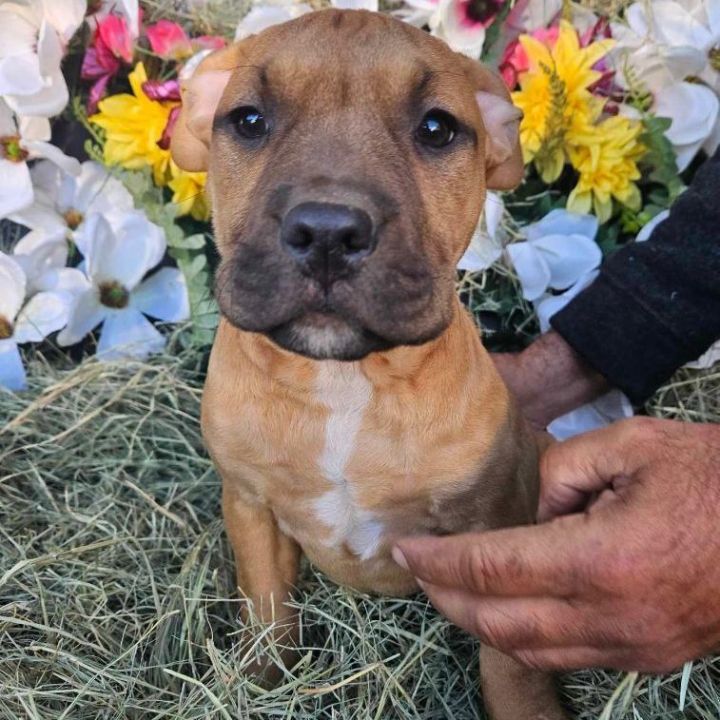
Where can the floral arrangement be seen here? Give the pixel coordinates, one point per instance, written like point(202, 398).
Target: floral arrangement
point(620, 106)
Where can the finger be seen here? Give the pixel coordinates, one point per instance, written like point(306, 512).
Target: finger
point(510, 624)
point(551, 559)
point(576, 658)
point(570, 472)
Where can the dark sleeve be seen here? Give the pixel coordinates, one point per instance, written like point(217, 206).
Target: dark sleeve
point(655, 305)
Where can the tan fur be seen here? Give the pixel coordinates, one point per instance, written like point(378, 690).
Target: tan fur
point(426, 438)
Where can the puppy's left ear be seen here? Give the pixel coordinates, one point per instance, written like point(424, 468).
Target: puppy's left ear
point(504, 167)
point(201, 93)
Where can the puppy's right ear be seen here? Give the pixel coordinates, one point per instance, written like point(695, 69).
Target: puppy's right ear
point(201, 95)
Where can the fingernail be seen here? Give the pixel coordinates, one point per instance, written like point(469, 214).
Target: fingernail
point(399, 558)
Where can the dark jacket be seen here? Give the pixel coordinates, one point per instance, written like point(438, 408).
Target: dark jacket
point(655, 305)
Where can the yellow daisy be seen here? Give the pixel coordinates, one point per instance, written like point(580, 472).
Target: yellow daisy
point(606, 157)
point(555, 99)
point(134, 126)
point(189, 193)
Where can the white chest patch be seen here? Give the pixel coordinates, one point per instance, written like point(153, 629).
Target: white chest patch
point(346, 392)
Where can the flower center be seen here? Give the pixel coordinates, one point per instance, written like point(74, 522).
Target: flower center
point(481, 11)
point(714, 57)
point(6, 328)
point(114, 295)
point(93, 6)
point(73, 218)
point(11, 150)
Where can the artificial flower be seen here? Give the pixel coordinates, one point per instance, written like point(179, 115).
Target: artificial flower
point(22, 321)
point(33, 35)
point(486, 243)
point(189, 195)
point(460, 23)
point(559, 250)
point(515, 60)
point(555, 97)
point(115, 294)
point(134, 126)
point(600, 413)
point(371, 5)
point(63, 202)
point(263, 15)
point(21, 141)
point(112, 46)
point(97, 10)
point(606, 156)
point(170, 41)
point(661, 44)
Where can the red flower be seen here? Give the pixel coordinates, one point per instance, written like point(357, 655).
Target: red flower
point(111, 47)
point(170, 41)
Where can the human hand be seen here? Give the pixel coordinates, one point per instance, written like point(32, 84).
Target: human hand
point(548, 379)
point(630, 583)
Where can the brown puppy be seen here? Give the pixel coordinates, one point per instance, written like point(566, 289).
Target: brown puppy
point(349, 400)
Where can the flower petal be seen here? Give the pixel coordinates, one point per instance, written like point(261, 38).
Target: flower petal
point(86, 313)
point(709, 358)
point(49, 151)
point(13, 284)
point(12, 372)
point(128, 333)
point(546, 307)
point(568, 257)
point(163, 296)
point(531, 268)
point(599, 414)
point(16, 191)
point(45, 313)
point(693, 110)
point(647, 229)
point(562, 222)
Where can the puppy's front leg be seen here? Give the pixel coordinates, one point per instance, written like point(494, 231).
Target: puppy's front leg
point(267, 563)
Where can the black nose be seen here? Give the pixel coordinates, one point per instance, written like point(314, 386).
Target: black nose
point(327, 240)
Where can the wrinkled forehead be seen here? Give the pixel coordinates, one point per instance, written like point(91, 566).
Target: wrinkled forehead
point(339, 59)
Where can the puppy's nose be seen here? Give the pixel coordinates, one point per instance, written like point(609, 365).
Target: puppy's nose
point(326, 239)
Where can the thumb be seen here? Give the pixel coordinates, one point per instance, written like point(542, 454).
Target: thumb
point(570, 472)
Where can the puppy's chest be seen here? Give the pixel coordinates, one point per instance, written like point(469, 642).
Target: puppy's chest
point(366, 479)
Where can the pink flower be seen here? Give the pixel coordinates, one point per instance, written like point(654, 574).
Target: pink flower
point(515, 60)
point(112, 46)
point(170, 41)
point(478, 12)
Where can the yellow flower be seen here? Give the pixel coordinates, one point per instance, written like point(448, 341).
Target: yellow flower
point(555, 99)
point(189, 193)
point(134, 125)
point(606, 157)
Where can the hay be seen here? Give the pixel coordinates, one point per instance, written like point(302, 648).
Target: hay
point(116, 588)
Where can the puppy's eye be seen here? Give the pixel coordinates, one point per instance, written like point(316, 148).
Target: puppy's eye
point(437, 129)
point(250, 122)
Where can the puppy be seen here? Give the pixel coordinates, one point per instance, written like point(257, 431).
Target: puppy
point(349, 400)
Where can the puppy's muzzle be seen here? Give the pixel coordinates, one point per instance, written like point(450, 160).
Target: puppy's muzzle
point(328, 241)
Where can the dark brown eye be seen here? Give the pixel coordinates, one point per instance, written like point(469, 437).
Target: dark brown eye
point(437, 129)
point(250, 122)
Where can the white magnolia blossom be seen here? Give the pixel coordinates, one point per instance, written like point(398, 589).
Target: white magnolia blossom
point(63, 201)
point(21, 321)
point(486, 245)
point(266, 13)
point(33, 38)
point(661, 45)
point(559, 250)
point(22, 140)
point(128, 8)
point(115, 294)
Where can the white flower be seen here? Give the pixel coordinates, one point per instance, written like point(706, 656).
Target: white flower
point(129, 8)
point(33, 35)
point(560, 249)
point(607, 409)
point(20, 141)
point(486, 244)
point(265, 14)
point(63, 201)
point(449, 21)
point(660, 45)
point(22, 322)
point(115, 293)
point(371, 5)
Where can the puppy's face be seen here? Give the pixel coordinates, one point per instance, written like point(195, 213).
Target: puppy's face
point(348, 158)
